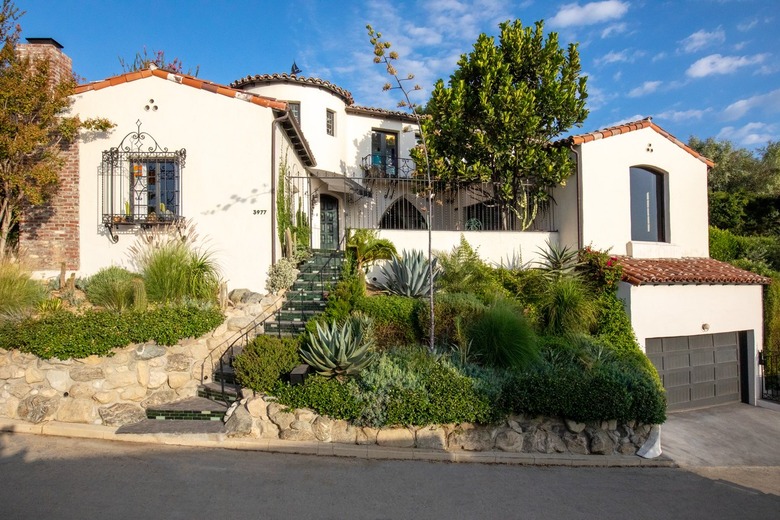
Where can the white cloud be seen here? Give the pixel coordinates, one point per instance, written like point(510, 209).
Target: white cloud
point(751, 134)
point(747, 24)
point(679, 116)
point(702, 39)
point(648, 87)
point(591, 13)
point(658, 57)
point(718, 64)
point(615, 29)
point(624, 56)
point(424, 35)
point(769, 102)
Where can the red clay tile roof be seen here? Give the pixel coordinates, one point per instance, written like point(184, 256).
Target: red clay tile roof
point(344, 94)
point(183, 79)
point(683, 271)
point(630, 127)
point(390, 114)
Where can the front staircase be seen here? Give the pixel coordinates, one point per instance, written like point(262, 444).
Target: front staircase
point(206, 412)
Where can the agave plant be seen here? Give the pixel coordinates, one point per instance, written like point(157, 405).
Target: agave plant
point(409, 275)
point(340, 350)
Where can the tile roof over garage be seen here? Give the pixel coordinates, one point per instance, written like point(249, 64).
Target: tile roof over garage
point(630, 127)
point(685, 271)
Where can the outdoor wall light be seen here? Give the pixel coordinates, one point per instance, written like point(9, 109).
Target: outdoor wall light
point(705, 327)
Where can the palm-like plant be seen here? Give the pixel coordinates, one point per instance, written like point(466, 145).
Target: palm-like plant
point(558, 262)
point(367, 248)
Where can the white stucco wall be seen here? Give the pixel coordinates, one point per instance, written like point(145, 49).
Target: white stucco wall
point(492, 246)
point(328, 150)
point(225, 183)
point(605, 189)
point(358, 138)
point(659, 311)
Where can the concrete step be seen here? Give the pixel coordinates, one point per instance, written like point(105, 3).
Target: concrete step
point(214, 391)
point(190, 408)
point(152, 426)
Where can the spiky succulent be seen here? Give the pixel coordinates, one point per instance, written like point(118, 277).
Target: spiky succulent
point(408, 275)
point(339, 350)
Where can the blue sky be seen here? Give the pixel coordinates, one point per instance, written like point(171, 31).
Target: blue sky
point(709, 68)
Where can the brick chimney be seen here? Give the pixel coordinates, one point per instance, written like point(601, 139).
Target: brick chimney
point(49, 234)
point(50, 49)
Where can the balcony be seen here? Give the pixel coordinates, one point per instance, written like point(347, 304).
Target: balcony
point(387, 166)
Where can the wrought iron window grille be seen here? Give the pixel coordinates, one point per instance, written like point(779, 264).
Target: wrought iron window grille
point(140, 183)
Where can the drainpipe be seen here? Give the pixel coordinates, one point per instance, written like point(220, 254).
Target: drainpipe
point(276, 121)
point(579, 196)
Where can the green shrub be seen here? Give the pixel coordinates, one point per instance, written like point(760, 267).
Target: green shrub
point(567, 307)
point(19, 294)
point(366, 248)
point(725, 245)
point(453, 314)
point(65, 335)
point(326, 396)
point(605, 393)
point(613, 324)
point(462, 270)
point(395, 319)
point(340, 349)
point(409, 275)
point(502, 337)
point(111, 288)
point(584, 379)
point(265, 360)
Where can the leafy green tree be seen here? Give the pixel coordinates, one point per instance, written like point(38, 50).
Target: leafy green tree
point(367, 248)
point(503, 106)
point(33, 129)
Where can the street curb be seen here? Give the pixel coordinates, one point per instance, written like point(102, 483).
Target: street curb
point(327, 449)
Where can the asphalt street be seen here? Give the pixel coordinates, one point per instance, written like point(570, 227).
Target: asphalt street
point(62, 478)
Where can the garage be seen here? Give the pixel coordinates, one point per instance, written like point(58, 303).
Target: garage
point(701, 370)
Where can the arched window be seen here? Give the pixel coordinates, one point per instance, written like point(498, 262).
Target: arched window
point(648, 205)
point(402, 215)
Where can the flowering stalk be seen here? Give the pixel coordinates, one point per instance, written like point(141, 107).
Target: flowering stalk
point(383, 55)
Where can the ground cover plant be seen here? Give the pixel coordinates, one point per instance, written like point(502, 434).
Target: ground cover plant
point(19, 294)
point(65, 335)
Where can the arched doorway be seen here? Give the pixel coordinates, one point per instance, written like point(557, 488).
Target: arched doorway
point(329, 222)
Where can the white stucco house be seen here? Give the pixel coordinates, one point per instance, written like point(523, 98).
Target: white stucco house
point(188, 148)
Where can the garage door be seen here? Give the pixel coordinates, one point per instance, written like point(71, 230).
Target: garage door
point(698, 371)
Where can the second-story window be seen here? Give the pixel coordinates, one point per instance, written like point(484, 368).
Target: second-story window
point(330, 122)
point(295, 108)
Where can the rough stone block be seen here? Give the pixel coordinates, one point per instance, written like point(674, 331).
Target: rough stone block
point(121, 413)
point(157, 378)
point(574, 426)
point(395, 437)
point(106, 396)
point(257, 407)
point(179, 363)
point(321, 428)
point(81, 391)
point(178, 379)
point(142, 373)
point(431, 438)
point(149, 351)
point(59, 380)
point(601, 443)
point(133, 393)
point(509, 440)
point(19, 390)
point(87, 373)
point(280, 415)
point(477, 439)
point(77, 411)
point(366, 435)
point(33, 375)
point(240, 423)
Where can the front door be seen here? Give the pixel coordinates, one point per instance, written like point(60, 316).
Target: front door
point(329, 222)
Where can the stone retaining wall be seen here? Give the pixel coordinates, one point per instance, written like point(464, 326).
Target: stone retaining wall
point(260, 417)
point(116, 390)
